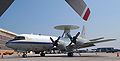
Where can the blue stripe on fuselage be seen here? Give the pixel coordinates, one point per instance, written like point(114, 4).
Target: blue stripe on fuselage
point(30, 42)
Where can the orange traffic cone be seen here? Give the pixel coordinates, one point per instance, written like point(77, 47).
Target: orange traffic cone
point(117, 54)
point(96, 53)
point(2, 56)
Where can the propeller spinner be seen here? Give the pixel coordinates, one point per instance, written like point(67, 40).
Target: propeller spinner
point(55, 43)
point(73, 39)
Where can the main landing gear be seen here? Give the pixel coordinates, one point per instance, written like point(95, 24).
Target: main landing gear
point(25, 54)
point(70, 54)
point(42, 54)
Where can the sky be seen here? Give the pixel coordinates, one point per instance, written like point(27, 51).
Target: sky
point(41, 16)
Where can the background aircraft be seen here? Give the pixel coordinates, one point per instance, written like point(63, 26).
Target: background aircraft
point(78, 5)
point(42, 43)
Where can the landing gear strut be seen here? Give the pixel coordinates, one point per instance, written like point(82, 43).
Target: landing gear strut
point(42, 54)
point(24, 55)
point(70, 54)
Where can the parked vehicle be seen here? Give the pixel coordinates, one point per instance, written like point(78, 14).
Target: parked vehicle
point(8, 53)
point(107, 50)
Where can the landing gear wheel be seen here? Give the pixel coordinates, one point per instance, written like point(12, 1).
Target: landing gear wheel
point(42, 54)
point(24, 56)
point(70, 54)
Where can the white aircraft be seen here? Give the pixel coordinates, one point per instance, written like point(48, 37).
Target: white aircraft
point(40, 43)
point(78, 5)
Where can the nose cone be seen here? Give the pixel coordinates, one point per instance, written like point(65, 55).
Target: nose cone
point(7, 44)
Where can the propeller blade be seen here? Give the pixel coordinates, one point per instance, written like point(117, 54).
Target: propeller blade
point(77, 34)
point(75, 37)
point(70, 43)
point(58, 39)
point(52, 40)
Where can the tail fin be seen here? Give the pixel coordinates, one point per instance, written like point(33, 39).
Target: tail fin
point(83, 34)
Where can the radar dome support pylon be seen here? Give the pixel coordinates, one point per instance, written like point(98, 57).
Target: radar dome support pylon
point(66, 28)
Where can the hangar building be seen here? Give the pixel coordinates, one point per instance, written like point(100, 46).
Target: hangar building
point(4, 37)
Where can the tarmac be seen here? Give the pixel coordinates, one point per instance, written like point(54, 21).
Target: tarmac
point(63, 57)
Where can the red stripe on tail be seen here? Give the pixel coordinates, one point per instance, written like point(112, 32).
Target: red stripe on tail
point(86, 14)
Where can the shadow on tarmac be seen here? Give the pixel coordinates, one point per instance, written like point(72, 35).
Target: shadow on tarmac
point(66, 56)
point(47, 56)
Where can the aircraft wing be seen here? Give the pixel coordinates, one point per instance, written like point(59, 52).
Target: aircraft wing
point(96, 39)
point(89, 44)
point(72, 47)
point(4, 5)
point(80, 7)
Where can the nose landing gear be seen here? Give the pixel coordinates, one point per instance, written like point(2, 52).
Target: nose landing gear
point(42, 54)
point(24, 55)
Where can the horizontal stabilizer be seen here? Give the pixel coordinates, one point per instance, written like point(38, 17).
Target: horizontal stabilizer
point(96, 39)
point(4, 5)
point(80, 7)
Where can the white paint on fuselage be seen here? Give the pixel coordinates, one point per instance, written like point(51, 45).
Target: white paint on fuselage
point(41, 43)
point(45, 43)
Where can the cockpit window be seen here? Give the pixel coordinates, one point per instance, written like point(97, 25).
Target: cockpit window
point(18, 38)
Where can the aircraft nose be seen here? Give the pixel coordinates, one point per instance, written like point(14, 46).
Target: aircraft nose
point(8, 44)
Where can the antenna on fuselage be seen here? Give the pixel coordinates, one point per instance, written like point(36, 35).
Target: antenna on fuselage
point(66, 28)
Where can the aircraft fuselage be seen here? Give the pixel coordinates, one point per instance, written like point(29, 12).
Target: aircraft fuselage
point(34, 43)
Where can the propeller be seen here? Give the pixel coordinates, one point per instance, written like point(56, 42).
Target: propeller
point(73, 39)
point(55, 43)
